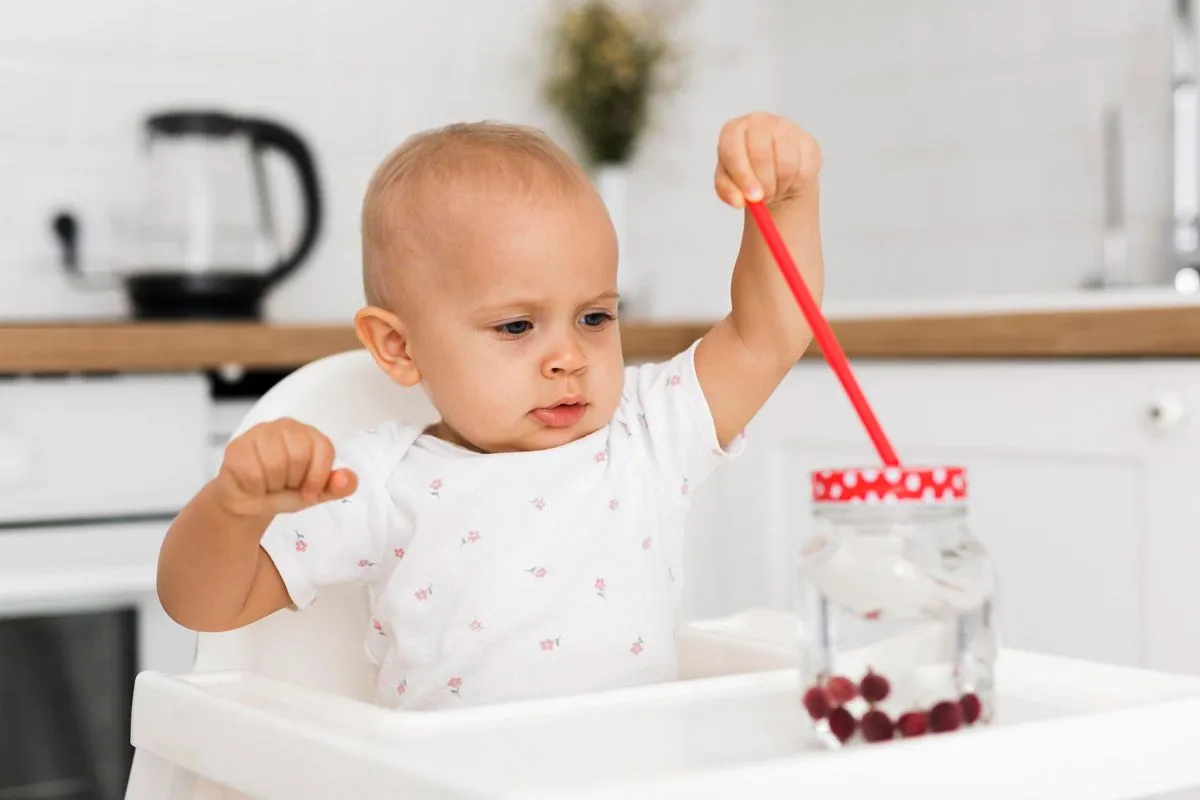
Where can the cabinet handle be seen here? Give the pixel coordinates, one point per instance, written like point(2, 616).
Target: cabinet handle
point(1166, 412)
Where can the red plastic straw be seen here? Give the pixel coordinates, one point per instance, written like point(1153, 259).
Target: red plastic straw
point(824, 334)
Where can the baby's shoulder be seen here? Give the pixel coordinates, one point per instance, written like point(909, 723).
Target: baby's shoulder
point(376, 451)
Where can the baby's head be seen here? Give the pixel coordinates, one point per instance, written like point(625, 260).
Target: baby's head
point(490, 269)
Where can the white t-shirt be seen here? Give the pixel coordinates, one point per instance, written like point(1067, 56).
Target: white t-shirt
point(509, 576)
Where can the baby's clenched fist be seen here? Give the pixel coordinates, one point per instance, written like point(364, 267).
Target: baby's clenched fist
point(279, 467)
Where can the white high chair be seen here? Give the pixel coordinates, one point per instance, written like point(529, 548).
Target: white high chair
point(276, 710)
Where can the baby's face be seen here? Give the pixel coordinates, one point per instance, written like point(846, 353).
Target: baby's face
point(516, 337)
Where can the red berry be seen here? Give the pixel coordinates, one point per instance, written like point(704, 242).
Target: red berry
point(945, 717)
point(816, 702)
point(842, 723)
point(877, 726)
point(842, 690)
point(874, 687)
point(914, 723)
point(971, 708)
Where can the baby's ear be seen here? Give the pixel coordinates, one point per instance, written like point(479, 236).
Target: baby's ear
point(384, 335)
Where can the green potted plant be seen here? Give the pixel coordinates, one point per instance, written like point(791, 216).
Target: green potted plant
point(609, 60)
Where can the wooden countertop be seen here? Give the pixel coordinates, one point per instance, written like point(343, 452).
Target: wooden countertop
point(186, 346)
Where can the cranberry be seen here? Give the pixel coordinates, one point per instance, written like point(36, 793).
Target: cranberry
point(913, 723)
point(842, 690)
point(874, 687)
point(877, 726)
point(816, 702)
point(971, 708)
point(842, 723)
point(945, 717)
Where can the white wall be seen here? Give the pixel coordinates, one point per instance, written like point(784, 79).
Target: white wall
point(963, 137)
point(355, 77)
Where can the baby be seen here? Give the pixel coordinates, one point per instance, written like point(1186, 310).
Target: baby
point(530, 543)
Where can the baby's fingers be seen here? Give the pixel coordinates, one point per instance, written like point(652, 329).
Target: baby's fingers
point(342, 483)
point(319, 466)
point(734, 159)
point(727, 190)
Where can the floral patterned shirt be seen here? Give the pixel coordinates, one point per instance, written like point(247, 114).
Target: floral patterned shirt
point(511, 576)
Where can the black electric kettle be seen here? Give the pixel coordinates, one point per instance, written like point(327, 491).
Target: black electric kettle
point(201, 241)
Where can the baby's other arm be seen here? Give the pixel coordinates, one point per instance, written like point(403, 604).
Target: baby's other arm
point(743, 359)
point(213, 574)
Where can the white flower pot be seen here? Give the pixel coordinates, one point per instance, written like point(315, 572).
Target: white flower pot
point(612, 183)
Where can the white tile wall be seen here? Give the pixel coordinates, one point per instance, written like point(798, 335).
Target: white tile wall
point(962, 137)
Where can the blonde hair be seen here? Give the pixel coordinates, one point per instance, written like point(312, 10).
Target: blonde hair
point(429, 166)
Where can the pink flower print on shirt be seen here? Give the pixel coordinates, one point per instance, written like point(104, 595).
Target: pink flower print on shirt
point(301, 545)
point(646, 543)
point(675, 380)
point(402, 687)
point(613, 504)
point(435, 486)
point(538, 503)
point(550, 644)
point(637, 647)
point(476, 625)
point(600, 587)
point(399, 552)
point(471, 538)
point(378, 626)
point(362, 562)
point(601, 457)
point(537, 572)
point(423, 594)
point(454, 685)
point(684, 488)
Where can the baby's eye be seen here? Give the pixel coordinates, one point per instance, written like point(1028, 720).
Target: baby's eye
point(597, 319)
point(515, 328)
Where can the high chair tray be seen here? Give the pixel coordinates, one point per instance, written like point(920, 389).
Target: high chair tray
point(1064, 729)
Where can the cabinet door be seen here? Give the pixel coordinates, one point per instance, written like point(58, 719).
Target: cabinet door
point(1078, 488)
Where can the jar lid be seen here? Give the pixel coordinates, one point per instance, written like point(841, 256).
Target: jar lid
point(873, 485)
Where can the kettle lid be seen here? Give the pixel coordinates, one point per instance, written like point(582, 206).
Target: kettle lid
point(178, 123)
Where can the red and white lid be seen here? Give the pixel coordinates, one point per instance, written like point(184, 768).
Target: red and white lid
point(874, 485)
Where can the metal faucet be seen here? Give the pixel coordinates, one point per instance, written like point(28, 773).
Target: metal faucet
point(1185, 173)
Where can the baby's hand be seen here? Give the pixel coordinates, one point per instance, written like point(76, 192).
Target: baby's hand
point(278, 467)
point(764, 157)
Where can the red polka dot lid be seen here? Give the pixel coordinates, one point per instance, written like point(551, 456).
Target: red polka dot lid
point(874, 485)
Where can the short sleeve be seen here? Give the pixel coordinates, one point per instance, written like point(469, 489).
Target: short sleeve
point(343, 541)
point(664, 404)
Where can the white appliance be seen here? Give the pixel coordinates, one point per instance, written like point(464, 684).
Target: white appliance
point(92, 470)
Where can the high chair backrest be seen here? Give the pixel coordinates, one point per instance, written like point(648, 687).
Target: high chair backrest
point(320, 647)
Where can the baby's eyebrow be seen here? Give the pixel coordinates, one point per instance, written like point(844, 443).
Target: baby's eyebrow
point(527, 304)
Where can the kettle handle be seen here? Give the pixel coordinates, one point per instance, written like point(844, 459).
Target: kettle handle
point(265, 135)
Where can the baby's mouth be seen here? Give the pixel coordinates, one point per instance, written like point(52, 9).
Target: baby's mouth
point(560, 415)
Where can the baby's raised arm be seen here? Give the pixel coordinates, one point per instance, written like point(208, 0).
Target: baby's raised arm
point(742, 360)
point(213, 574)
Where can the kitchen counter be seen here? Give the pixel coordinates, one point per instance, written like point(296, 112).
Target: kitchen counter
point(1169, 329)
point(188, 346)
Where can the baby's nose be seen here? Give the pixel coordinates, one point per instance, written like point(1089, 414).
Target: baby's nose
point(564, 360)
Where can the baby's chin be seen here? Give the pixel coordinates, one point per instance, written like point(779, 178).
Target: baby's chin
point(542, 437)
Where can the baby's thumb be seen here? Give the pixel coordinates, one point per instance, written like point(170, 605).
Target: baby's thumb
point(341, 483)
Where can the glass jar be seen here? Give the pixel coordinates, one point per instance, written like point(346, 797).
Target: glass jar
point(897, 606)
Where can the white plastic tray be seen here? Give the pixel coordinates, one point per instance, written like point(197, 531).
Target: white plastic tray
point(1065, 729)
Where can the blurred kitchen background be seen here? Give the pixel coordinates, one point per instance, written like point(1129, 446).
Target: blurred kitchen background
point(965, 140)
point(1007, 159)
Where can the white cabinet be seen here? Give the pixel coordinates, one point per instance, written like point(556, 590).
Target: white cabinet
point(1084, 479)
